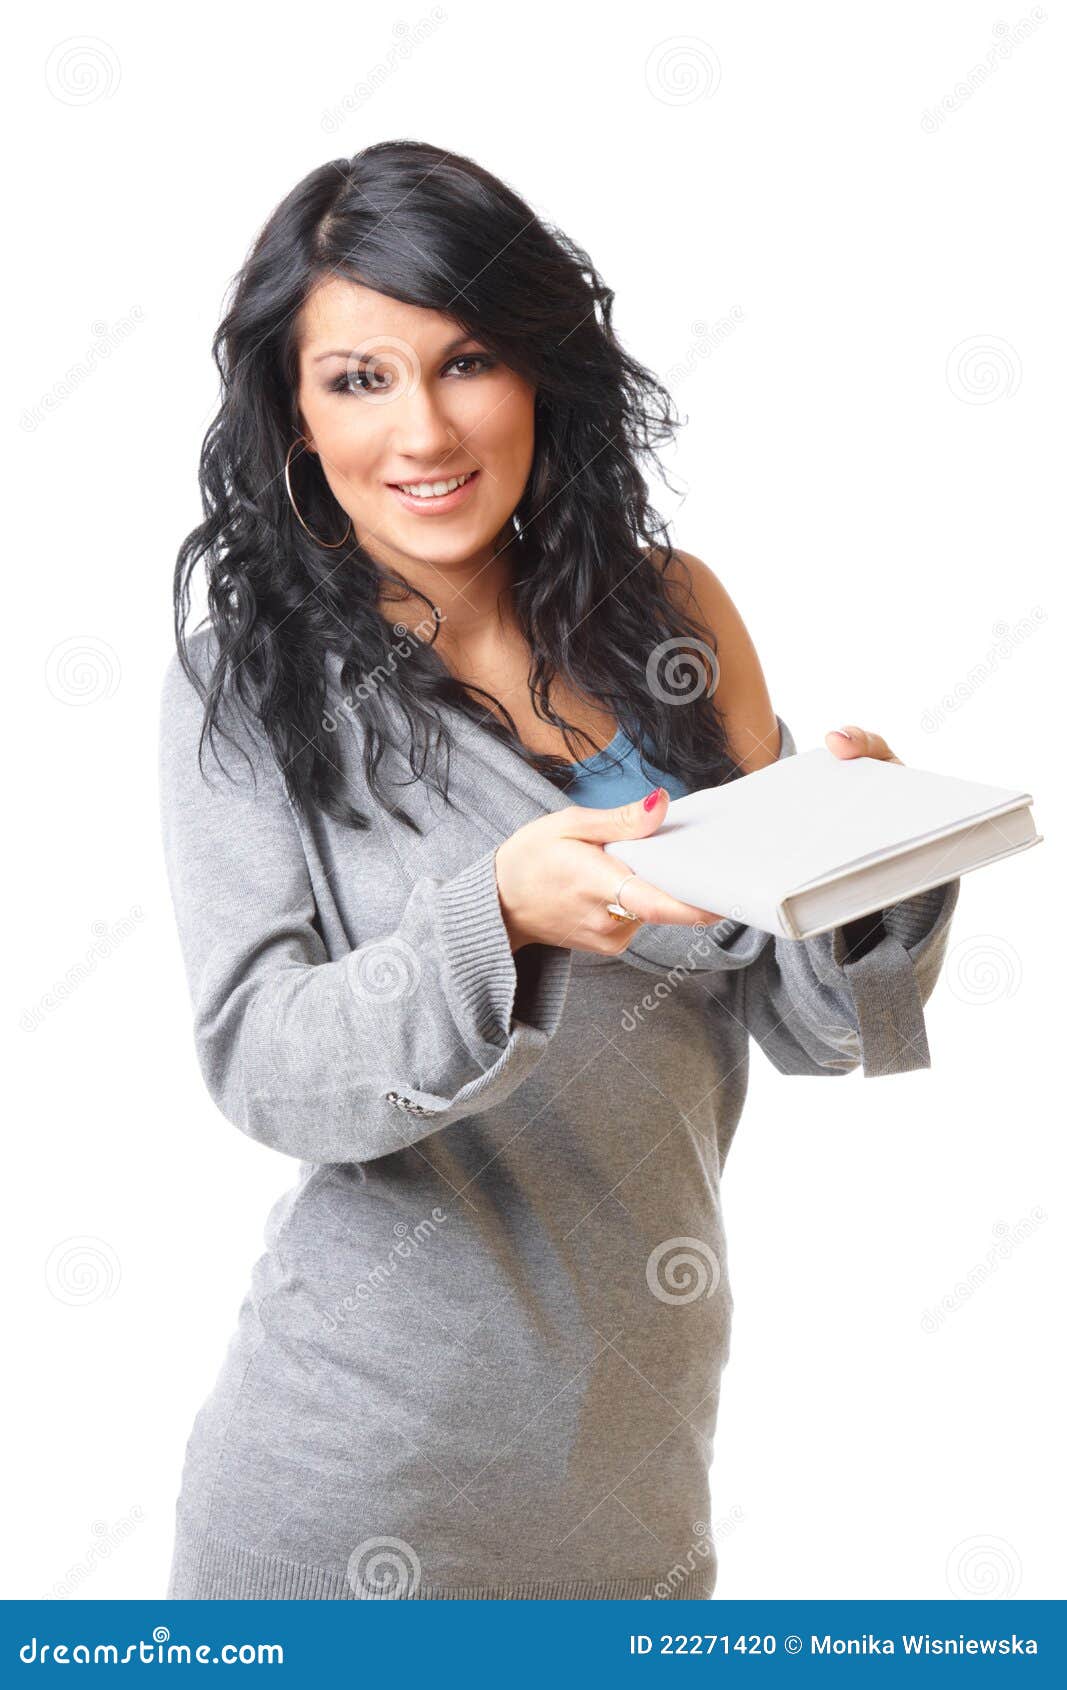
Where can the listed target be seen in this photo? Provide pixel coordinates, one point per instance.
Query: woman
(481, 1354)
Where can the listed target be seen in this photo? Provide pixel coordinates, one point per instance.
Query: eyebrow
(342, 352)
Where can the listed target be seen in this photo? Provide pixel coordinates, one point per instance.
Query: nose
(422, 433)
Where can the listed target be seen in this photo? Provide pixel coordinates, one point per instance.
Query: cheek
(351, 442)
(499, 423)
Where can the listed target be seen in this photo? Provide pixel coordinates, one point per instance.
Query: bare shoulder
(741, 695)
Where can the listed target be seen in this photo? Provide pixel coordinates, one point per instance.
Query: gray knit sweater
(481, 1353)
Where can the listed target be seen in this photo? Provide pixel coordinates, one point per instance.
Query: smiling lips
(433, 497)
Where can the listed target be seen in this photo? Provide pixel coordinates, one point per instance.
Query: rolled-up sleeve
(852, 997)
(346, 1059)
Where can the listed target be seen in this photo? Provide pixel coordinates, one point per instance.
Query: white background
(877, 497)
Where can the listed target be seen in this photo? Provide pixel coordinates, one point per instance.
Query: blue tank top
(617, 775)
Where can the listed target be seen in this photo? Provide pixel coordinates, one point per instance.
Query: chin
(455, 546)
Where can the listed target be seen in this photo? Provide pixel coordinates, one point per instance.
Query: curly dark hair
(590, 587)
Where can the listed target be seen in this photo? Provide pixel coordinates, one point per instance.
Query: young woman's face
(394, 396)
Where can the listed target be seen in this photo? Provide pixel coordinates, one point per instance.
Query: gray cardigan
(466, 1336)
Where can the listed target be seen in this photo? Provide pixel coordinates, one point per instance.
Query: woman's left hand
(859, 744)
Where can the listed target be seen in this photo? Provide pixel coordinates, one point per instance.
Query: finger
(650, 902)
(852, 741)
(599, 827)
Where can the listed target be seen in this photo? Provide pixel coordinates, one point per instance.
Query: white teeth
(433, 489)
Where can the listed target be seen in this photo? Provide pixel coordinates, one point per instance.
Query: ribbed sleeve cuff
(476, 956)
(911, 921)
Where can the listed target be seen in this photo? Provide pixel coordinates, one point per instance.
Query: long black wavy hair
(589, 587)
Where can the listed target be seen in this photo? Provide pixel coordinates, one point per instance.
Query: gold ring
(618, 913)
(617, 909)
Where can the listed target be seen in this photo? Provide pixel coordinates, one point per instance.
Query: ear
(301, 428)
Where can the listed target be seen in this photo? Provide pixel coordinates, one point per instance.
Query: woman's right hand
(554, 880)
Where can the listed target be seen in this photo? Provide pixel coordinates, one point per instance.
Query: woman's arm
(851, 997)
(344, 1060)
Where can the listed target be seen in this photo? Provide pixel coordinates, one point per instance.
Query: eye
(378, 377)
(367, 378)
(482, 359)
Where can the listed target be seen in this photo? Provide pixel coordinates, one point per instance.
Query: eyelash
(350, 384)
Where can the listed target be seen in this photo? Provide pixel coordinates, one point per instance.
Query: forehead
(341, 313)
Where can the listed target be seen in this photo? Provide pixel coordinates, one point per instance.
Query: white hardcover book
(814, 840)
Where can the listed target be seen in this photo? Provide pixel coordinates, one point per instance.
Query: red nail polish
(651, 800)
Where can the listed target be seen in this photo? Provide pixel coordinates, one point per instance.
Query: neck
(471, 598)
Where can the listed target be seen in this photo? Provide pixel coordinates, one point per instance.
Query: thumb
(623, 821)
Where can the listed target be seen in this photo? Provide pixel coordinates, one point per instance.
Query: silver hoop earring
(330, 545)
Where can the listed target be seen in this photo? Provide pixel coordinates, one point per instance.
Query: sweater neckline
(520, 793)
(595, 756)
